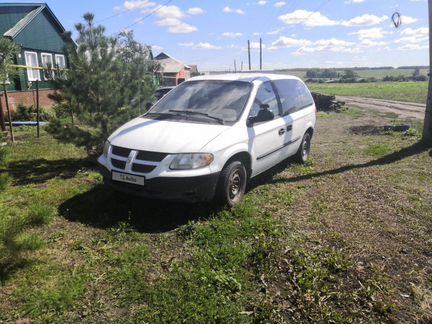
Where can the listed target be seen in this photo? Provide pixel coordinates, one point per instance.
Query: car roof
(247, 77)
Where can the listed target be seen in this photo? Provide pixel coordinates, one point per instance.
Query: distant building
(39, 34)
(174, 72)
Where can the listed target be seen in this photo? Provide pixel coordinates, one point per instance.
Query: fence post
(8, 112)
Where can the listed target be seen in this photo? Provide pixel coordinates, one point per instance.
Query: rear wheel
(232, 184)
(303, 152)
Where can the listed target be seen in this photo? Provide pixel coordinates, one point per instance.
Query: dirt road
(403, 109)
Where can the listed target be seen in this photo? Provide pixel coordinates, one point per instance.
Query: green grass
(319, 242)
(399, 91)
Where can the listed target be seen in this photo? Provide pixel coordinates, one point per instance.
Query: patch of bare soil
(403, 109)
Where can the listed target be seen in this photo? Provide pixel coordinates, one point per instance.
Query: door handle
(289, 128)
(281, 131)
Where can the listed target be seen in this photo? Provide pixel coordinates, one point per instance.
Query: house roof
(170, 64)
(31, 10)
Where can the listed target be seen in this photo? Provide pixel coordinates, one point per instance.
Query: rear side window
(293, 95)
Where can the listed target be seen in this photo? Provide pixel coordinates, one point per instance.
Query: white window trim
(28, 70)
(52, 65)
(64, 59)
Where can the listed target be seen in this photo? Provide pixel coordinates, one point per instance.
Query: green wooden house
(39, 34)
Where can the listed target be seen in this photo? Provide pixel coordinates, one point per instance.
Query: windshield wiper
(194, 112)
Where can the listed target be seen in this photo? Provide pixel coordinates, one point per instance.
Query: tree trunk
(427, 128)
(2, 121)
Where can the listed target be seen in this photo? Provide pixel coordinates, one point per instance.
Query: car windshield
(212, 100)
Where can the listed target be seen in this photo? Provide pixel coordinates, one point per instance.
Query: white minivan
(208, 136)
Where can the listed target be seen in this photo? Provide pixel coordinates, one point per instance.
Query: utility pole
(260, 54)
(427, 127)
(241, 66)
(235, 66)
(249, 53)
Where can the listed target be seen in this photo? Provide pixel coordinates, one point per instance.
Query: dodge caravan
(208, 136)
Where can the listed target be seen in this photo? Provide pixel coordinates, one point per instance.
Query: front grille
(151, 156)
(121, 151)
(118, 164)
(141, 156)
(142, 168)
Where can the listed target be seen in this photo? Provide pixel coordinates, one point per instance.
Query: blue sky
(295, 33)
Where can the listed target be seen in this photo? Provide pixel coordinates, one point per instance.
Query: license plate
(128, 178)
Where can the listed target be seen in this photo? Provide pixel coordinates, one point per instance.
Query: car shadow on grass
(414, 149)
(102, 207)
(38, 171)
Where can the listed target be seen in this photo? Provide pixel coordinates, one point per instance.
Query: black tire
(232, 184)
(303, 152)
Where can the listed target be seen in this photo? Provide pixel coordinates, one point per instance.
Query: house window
(31, 59)
(47, 62)
(60, 64)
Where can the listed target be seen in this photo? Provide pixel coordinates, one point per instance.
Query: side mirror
(148, 105)
(264, 114)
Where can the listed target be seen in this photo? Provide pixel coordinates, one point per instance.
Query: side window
(306, 96)
(265, 95)
(289, 95)
(293, 95)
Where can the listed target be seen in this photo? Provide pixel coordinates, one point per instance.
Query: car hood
(165, 136)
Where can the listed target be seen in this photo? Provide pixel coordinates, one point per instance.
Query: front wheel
(303, 152)
(232, 184)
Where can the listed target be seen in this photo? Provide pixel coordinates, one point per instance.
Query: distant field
(400, 91)
(366, 73)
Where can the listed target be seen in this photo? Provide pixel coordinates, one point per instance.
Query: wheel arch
(243, 157)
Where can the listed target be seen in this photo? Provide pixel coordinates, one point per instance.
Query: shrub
(29, 113)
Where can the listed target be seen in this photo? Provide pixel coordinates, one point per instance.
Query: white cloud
(169, 22)
(171, 18)
(157, 48)
(412, 39)
(412, 47)
(195, 11)
(256, 45)
(227, 9)
(262, 2)
(231, 34)
(135, 5)
(413, 36)
(176, 26)
(371, 43)
(354, 1)
(200, 45)
(364, 20)
(288, 42)
(170, 12)
(257, 34)
(277, 31)
(419, 31)
(407, 20)
(327, 45)
(371, 33)
(280, 4)
(307, 18)
(182, 28)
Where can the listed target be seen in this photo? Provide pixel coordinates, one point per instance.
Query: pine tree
(108, 82)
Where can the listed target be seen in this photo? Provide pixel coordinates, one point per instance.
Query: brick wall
(27, 98)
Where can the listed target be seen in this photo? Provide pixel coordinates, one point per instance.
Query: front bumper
(189, 189)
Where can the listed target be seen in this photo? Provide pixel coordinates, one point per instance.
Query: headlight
(191, 161)
(106, 148)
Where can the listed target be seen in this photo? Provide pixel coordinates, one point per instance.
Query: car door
(266, 138)
(293, 102)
